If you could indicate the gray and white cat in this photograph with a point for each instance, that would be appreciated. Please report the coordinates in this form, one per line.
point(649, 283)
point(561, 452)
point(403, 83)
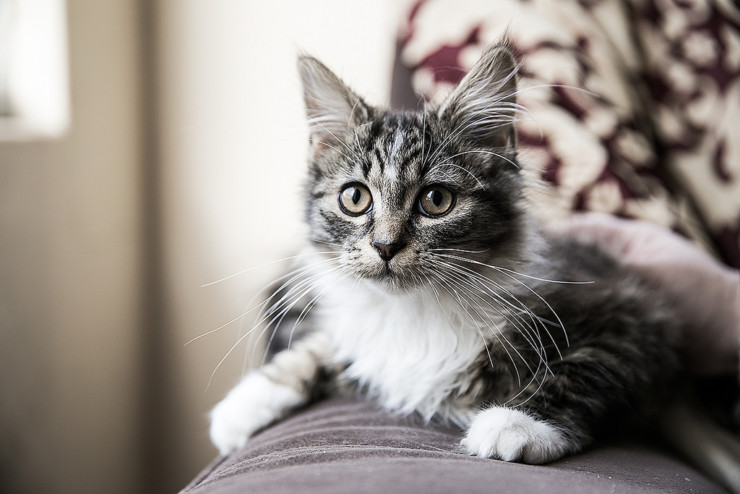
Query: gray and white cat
point(432, 290)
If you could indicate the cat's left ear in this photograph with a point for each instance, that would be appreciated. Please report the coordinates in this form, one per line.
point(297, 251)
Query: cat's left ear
point(483, 105)
point(332, 108)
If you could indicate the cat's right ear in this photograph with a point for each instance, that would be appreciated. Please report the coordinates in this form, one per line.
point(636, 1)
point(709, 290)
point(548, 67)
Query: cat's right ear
point(332, 108)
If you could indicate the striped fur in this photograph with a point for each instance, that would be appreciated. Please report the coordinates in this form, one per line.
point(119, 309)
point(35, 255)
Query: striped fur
point(470, 320)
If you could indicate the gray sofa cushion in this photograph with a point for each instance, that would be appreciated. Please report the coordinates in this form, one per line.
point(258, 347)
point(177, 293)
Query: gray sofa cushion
point(347, 445)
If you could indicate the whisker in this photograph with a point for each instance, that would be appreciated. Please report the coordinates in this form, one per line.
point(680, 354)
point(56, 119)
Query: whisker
point(423, 135)
point(480, 184)
point(312, 303)
point(285, 308)
point(474, 292)
point(439, 302)
point(318, 241)
point(497, 155)
point(495, 333)
point(463, 277)
point(282, 307)
point(269, 263)
point(521, 283)
point(445, 285)
point(225, 324)
point(530, 338)
point(562, 282)
point(261, 304)
point(458, 250)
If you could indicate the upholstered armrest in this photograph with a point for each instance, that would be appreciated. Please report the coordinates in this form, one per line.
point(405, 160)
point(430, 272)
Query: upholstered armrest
point(348, 445)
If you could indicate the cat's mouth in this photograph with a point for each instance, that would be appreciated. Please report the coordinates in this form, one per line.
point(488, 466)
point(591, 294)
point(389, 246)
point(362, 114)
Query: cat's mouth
point(383, 272)
point(387, 271)
point(391, 275)
point(400, 271)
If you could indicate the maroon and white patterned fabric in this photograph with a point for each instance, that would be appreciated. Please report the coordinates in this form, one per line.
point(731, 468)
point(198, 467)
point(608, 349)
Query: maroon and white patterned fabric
point(632, 108)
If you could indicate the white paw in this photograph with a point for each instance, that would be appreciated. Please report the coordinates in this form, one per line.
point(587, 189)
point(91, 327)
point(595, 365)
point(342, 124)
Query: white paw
point(254, 403)
point(512, 435)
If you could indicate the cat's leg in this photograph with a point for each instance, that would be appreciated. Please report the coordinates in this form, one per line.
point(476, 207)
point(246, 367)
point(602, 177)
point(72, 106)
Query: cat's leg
point(551, 419)
point(270, 392)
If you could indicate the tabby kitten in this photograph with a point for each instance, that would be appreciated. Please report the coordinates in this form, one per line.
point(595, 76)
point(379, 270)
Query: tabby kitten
point(431, 289)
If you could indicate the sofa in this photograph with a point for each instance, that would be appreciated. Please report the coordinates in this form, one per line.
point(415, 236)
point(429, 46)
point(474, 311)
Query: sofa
point(632, 110)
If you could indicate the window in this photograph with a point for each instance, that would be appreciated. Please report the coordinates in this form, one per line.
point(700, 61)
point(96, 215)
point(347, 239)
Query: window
point(34, 101)
point(6, 15)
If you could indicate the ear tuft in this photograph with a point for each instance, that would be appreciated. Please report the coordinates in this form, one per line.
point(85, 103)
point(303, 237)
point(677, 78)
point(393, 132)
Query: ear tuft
point(332, 108)
point(483, 105)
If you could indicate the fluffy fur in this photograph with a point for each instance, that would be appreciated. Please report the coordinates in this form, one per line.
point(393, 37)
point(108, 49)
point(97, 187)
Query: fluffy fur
point(443, 297)
point(411, 355)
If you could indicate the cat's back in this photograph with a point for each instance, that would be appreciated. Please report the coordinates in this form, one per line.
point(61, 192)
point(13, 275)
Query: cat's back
point(598, 298)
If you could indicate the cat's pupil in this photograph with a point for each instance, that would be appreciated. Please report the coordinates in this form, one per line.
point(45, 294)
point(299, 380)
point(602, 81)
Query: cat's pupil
point(356, 195)
point(436, 198)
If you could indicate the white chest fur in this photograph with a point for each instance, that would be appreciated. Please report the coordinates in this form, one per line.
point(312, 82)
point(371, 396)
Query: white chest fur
point(409, 351)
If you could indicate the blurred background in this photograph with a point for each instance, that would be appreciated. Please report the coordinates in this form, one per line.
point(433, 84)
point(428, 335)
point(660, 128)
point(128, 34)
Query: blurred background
point(147, 148)
point(151, 147)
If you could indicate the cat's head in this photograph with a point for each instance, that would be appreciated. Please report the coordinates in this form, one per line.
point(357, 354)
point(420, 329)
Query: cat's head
point(400, 194)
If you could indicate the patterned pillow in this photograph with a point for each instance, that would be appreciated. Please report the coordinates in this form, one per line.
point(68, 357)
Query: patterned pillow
point(629, 108)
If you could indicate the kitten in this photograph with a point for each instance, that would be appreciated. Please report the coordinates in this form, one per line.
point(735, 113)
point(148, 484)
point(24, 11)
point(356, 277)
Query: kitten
point(432, 289)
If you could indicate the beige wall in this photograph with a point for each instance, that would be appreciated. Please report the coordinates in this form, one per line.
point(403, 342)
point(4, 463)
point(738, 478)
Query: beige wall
point(232, 154)
point(181, 166)
point(70, 319)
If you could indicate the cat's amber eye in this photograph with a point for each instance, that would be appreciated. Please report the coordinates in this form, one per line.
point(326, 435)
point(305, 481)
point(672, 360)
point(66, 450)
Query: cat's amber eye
point(436, 201)
point(355, 199)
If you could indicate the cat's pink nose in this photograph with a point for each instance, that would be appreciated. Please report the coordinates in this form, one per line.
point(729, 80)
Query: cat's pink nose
point(387, 251)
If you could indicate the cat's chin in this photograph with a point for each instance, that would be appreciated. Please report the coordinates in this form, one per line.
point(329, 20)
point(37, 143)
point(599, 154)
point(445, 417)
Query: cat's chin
point(390, 283)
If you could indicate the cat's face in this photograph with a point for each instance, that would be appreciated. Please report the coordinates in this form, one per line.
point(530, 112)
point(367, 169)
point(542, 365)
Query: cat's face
point(400, 195)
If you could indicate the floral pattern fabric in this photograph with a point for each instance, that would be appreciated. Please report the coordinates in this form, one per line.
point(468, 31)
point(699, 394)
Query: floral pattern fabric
point(631, 107)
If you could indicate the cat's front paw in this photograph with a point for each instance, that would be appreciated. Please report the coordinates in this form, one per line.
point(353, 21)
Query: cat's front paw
point(254, 403)
point(512, 435)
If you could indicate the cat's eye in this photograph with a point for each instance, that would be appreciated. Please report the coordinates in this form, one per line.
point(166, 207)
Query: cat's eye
point(355, 199)
point(436, 201)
